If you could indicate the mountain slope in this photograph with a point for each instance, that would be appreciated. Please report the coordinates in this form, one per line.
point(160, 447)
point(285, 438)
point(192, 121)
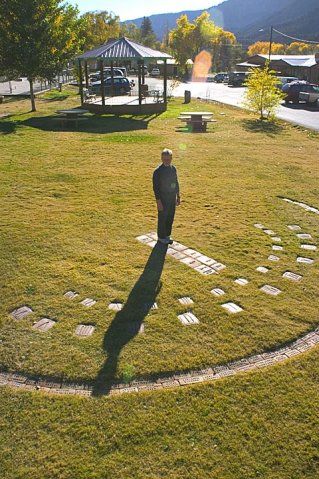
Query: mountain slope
point(297, 19)
point(233, 15)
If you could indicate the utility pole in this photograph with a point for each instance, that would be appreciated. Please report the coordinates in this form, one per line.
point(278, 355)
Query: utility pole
point(270, 41)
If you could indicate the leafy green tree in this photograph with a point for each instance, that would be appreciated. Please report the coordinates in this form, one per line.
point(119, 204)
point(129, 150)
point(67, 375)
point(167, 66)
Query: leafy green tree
point(131, 31)
point(99, 28)
point(263, 95)
point(180, 40)
point(37, 38)
point(188, 39)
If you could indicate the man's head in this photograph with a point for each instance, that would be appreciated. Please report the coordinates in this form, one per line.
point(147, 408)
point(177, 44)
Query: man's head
point(167, 156)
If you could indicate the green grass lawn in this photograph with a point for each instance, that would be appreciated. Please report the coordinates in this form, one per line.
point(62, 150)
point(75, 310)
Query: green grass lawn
point(261, 425)
point(72, 203)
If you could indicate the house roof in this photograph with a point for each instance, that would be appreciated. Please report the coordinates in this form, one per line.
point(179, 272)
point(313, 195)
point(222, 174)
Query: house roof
point(247, 64)
point(173, 61)
point(123, 49)
point(306, 61)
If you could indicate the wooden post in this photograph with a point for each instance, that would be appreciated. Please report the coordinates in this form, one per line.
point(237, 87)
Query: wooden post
point(81, 81)
point(86, 75)
point(165, 82)
point(112, 78)
point(139, 84)
point(102, 83)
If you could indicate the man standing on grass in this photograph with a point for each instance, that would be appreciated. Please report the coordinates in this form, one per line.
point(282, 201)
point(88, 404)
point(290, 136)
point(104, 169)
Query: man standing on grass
point(166, 190)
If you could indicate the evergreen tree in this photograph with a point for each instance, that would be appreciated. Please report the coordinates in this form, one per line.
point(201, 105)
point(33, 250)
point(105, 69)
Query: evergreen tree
point(147, 34)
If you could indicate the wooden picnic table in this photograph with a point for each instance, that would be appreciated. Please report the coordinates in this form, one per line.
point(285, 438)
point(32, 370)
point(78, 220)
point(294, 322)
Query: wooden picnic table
point(71, 115)
point(197, 120)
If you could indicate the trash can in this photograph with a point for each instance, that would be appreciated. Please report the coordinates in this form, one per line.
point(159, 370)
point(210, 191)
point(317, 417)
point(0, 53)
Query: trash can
point(187, 96)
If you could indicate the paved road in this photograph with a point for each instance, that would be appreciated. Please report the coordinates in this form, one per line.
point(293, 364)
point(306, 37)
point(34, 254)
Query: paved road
point(302, 114)
point(16, 88)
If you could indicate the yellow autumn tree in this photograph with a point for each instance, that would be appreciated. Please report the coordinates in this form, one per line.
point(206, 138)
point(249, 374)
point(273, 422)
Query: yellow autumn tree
point(262, 48)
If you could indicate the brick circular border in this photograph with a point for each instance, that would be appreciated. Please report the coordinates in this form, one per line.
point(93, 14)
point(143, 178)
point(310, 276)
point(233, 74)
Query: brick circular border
point(258, 361)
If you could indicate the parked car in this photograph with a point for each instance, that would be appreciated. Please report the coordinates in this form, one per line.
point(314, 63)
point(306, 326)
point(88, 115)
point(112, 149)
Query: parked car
point(296, 90)
point(220, 77)
point(155, 72)
point(94, 77)
point(285, 80)
point(237, 78)
point(122, 86)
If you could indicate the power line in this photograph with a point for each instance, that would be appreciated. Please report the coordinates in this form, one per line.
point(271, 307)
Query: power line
point(296, 39)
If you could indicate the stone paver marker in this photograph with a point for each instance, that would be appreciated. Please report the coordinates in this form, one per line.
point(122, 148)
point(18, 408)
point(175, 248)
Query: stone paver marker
point(218, 292)
point(270, 232)
point(292, 276)
point(309, 247)
point(150, 306)
point(276, 247)
point(270, 290)
point(44, 324)
point(259, 226)
point(272, 257)
point(276, 239)
point(144, 239)
point(192, 258)
point(84, 330)
point(294, 227)
point(188, 318)
point(205, 270)
point(21, 313)
point(70, 294)
point(232, 308)
point(88, 302)
point(304, 236)
point(178, 246)
point(302, 205)
point(116, 306)
point(262, 269)
point(218, 266)
point(135, 327)
point(300, 259)
point(241, 281)
point(185, 301)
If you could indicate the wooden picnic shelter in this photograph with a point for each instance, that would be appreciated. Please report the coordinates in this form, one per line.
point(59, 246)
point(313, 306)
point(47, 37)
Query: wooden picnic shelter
point(117, 52)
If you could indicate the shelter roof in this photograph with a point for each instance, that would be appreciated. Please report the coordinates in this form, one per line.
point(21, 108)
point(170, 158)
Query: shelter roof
point(123, 49)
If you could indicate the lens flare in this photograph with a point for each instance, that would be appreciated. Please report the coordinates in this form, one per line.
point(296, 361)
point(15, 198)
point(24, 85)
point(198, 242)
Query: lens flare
point(202, 65)
point(182, 147)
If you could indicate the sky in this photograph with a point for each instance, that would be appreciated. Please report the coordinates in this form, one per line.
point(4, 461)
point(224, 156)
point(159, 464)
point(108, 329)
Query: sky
point(130, 9)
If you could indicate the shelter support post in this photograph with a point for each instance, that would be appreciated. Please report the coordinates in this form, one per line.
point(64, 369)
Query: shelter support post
point(102, 83)
point(112, 78)
point(165, 82)
point(86, 70)
point(139, 68)
point(81, 81)
point(143, 73)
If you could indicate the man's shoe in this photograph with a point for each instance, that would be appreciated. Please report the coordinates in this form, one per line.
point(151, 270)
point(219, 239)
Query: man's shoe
point(163, 240)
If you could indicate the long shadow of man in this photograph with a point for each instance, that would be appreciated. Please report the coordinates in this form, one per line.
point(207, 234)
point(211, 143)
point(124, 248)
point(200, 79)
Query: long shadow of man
point(127, 322)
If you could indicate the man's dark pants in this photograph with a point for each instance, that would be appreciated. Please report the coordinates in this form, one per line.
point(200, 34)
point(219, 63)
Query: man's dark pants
point(166, 217)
